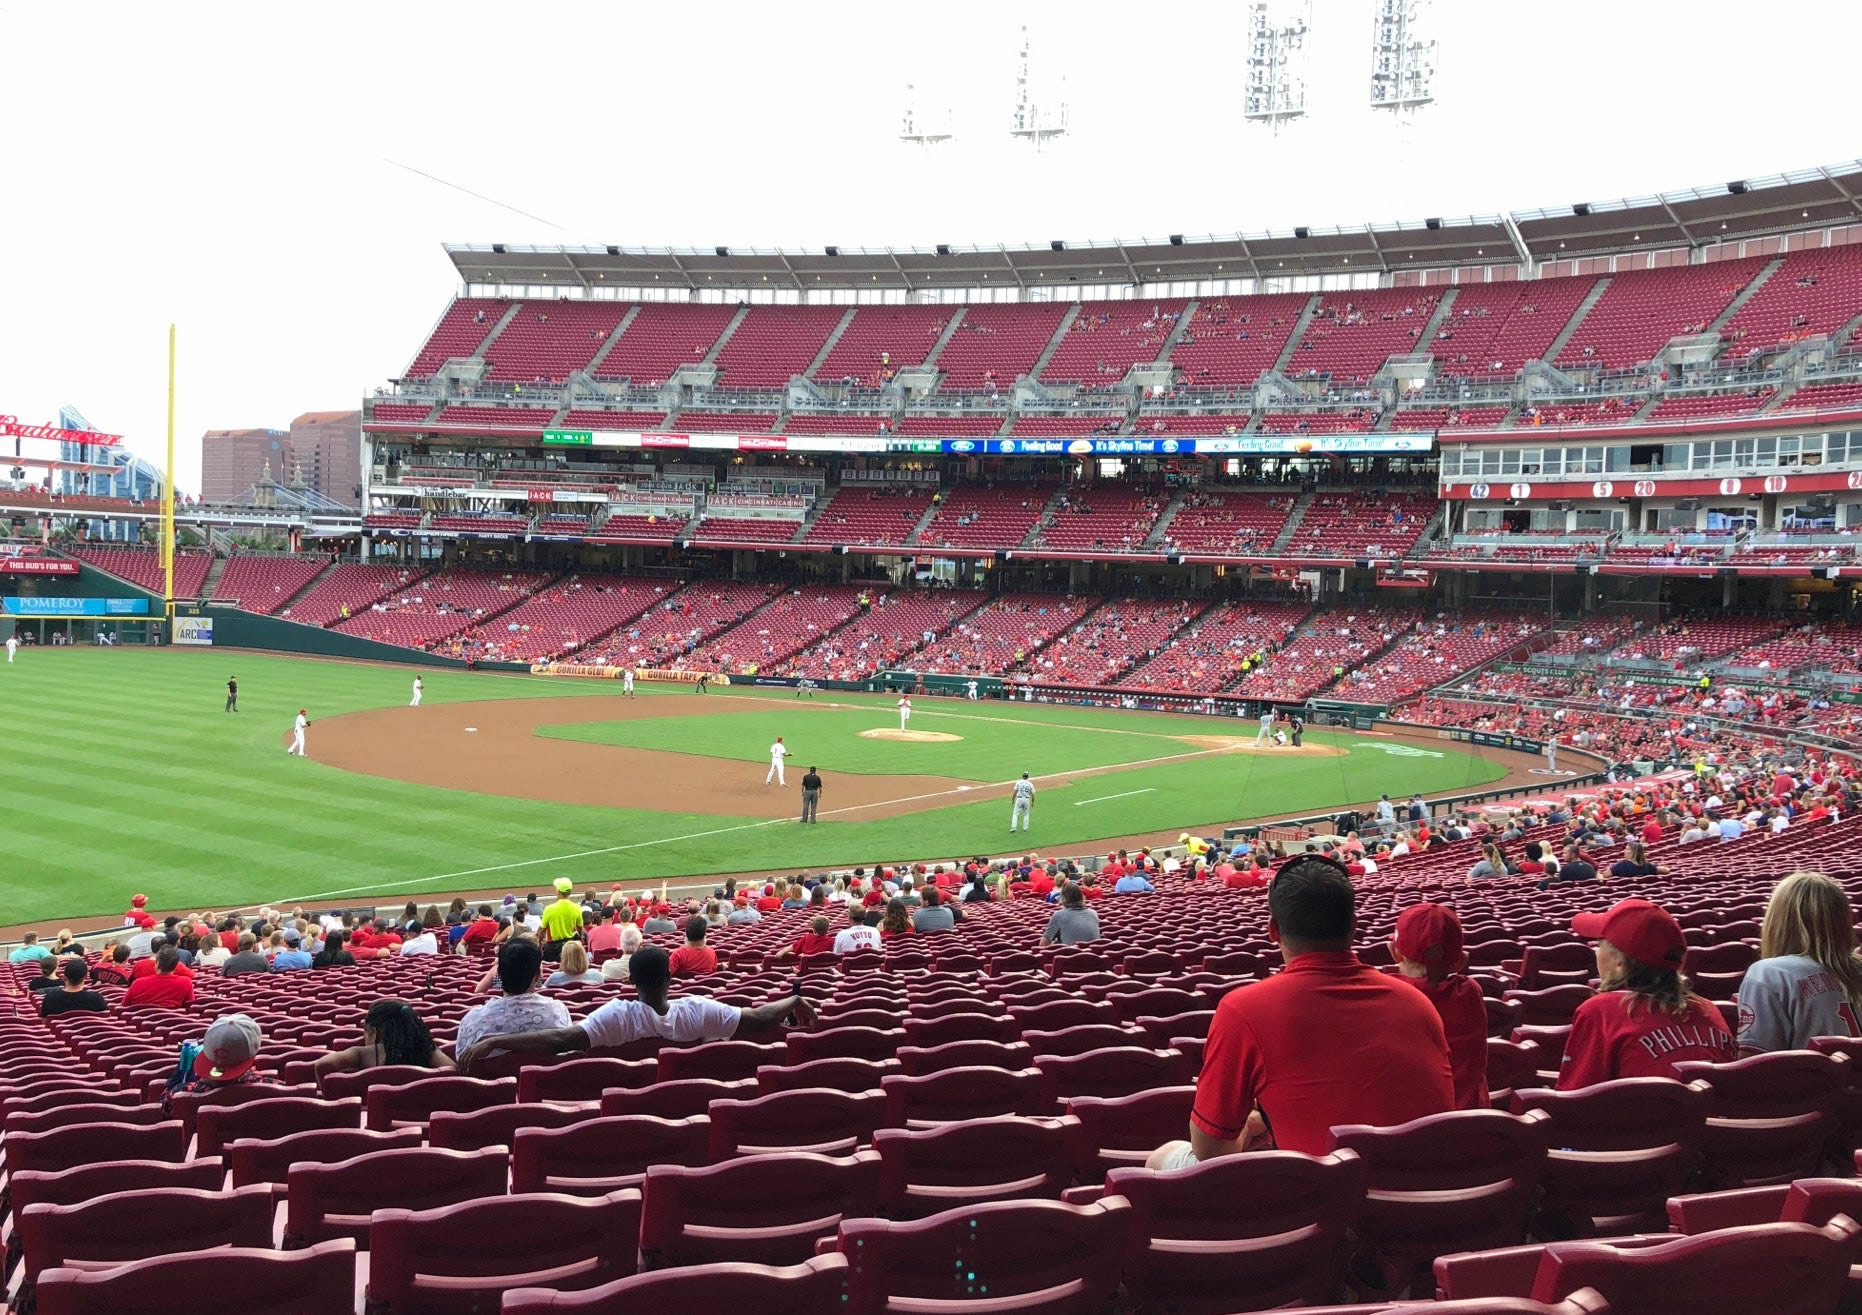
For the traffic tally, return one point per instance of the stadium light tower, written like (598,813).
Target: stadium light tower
(1276,90)
(919,131)
(1402,64)
(1034,122)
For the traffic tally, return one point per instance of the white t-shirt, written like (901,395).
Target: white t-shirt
(778,751)
(686,1022)
(425,943)
(857,938)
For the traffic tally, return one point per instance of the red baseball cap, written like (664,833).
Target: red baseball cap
(1644,931)
(137,901)
(1430,934)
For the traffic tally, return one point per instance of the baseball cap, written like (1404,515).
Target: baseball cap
(1430,934)
(229,1049)
(138,901)
(563,885)
(292,936)
(1644,931)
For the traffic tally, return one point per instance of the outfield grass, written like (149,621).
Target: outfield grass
(120,772)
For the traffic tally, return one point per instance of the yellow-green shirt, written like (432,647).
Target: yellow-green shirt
(562,920)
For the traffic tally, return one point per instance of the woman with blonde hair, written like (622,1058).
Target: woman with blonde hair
(574,969)
(1808,980)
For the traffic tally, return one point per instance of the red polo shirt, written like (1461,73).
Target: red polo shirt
(1458,1002)
(692,961)
(161,991)
(1609,1041)
(1384,1060)
(483,929)
(145,967)
(809,943)
(1250,878)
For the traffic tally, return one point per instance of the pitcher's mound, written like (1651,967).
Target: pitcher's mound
(910,737)
(1242,744)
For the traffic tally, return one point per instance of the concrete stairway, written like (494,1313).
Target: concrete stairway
(1051,510)
(943,339)
(601,352)
(1746,294)
(1591,298)
(1155,539)
(1429,330)
(1300,508)
(821,356)
(1299,332)
(711,357)
(1053,343)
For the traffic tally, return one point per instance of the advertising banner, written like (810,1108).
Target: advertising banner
(75,606)
(37,566)
(193,630)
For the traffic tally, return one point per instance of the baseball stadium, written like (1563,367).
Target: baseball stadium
(1306,769)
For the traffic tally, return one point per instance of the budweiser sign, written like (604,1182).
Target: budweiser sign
(37,566)
(10,427)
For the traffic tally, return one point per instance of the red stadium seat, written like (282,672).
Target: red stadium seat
(601,1155)
(94,1143)
(815,1286)
(217,1126)
(1121,1132)
(834,1074)
(760,1209)
(314,1281)
(1618,1151)
(840,1042)
(817,1119)
(463,1257)
(499,1125)
(159,1221)
(251,1160)
(964,1093)
(924,1172)
(335,1200)
(1769,1117)
(583,1079)
(1114,1071)
(412,1104)
(914,1062)
(926,1033)
(683,1099)
(721,1061)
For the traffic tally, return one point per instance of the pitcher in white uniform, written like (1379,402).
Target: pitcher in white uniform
(627,681)
(417,688)
(905,712)
(1024,803)
(298,728)
(777,752)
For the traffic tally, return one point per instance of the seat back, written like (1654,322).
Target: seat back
(606,1154)
(683,1099)
(817,1119)
(1618,1151)
(411,1104)
(1769,1116)
(1462,1181)
(89,1181)
(314,1281)
(1781,1269)
(335,1200)
(252,1160)
(816,1285)
(217,1125)
(155,1222)
(498,1125)
(1114,1071)
(925,1033)
(187,1105)
(1082,1037)
(839,1042)
(1032,1257)
(1550,1006)
(427,1262)
(916,1062)
(723,1061)
(929,1170)
(763,1209)
(94,1143)
(1268,1224)
(963,1093)
(61,1116)
(583,1079)
(1121,1132)
(334,1085)
(834,1074)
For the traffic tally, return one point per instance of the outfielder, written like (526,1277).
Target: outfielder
(1024,803)
(777,752)
(12,647)
(417,688)
(298,728)
(1266,732)
(232,693)
(627,681)
(905,711)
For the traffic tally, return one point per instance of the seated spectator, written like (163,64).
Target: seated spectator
(816,940)
(28,950)
(1492,864)
(72,997)
(1572,868)
(978,889)
(1808,980)
(392,1033)
(615,969)
(48,978)
(862,933)
(896,920)
(768,901)
(934,914)
(427,939)
(1635,862)
(291,956)
(1072,923)
(1643,1020)
(210,953)
(333,952)
(519,1008)
(1263,1081)
(224,1057)
(687,1021)
(66,944)
(694,958)
(248,959)
(112,966)
(660,920)
(600,932)
(1133,883)
(741,914)
(573,969)
(165,988)
(482,929)
(1428,950)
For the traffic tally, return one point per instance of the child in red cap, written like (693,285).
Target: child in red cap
(1428,952)
(139,915)
(1644,1020)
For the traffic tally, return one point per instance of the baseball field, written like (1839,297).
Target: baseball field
(120,772)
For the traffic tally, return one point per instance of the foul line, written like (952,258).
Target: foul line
(1081,803)
(384,888)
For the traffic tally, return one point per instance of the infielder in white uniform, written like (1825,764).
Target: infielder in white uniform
(12,647)
(417,688)
(970,691)
(627,681)
(905,712)
(1024,803)
(1267,728)
(1551,754)
(298,728)
(777,752)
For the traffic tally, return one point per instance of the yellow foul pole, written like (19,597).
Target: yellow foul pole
(168,494)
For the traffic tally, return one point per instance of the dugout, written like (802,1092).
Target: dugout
(913,682)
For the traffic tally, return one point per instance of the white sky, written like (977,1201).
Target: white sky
(224,166)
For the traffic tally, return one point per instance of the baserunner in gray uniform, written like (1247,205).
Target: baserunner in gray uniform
(1024,803)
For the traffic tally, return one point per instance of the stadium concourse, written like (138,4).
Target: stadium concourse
(841,1073)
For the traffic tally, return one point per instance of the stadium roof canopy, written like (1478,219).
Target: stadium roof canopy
(1783,203)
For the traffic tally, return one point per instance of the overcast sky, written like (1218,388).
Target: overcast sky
(234,168)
